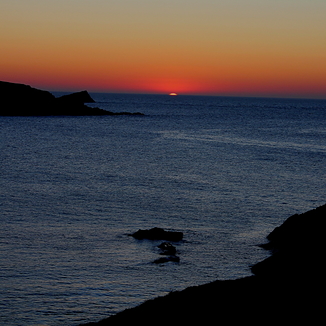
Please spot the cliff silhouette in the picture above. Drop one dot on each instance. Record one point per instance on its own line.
(24, 100)
(286, 288)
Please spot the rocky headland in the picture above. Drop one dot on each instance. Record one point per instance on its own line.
(286, 288)
(24, 100)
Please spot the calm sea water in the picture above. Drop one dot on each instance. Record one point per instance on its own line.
(225, 171)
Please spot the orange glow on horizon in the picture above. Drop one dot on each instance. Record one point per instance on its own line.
(202, 48)
(228, 87)
(247, 76)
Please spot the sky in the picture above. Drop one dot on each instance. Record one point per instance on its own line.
(203, 47)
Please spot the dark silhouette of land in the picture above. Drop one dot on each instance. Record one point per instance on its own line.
(24, 100)
(285, 289)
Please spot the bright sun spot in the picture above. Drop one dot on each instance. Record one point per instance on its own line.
(173, 94)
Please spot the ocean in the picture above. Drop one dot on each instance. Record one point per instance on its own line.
(224, 171)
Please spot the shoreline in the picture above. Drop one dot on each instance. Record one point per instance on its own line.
(286, 287)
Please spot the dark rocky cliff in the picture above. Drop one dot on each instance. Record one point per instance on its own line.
(24, 100)
(287, 288)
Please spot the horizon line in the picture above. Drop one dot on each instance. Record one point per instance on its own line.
(74, 89)
(266, 96)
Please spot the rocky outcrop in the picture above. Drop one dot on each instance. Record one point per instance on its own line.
(287, 288)
(75, 99)
(299, 231)
(24, 100)
(158, 234)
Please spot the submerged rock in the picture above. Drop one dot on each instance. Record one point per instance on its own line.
(167, 249)
(167, 259)
(158, 234)
(124, 113)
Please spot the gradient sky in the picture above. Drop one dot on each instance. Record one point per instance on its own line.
(231, 47)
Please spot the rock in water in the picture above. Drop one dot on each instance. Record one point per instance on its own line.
(163, 260)
(158, 234)
(167, 249)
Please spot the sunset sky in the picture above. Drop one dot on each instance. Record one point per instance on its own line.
(226, 47)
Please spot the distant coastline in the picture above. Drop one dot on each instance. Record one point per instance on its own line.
(24, 100)
(286, 288)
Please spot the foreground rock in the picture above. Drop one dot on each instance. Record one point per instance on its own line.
(297, 246)
(286, 289)
(24, 100)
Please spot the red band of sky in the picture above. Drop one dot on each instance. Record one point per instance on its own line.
(240, 48)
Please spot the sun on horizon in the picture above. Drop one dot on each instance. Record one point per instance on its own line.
(173, 94)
